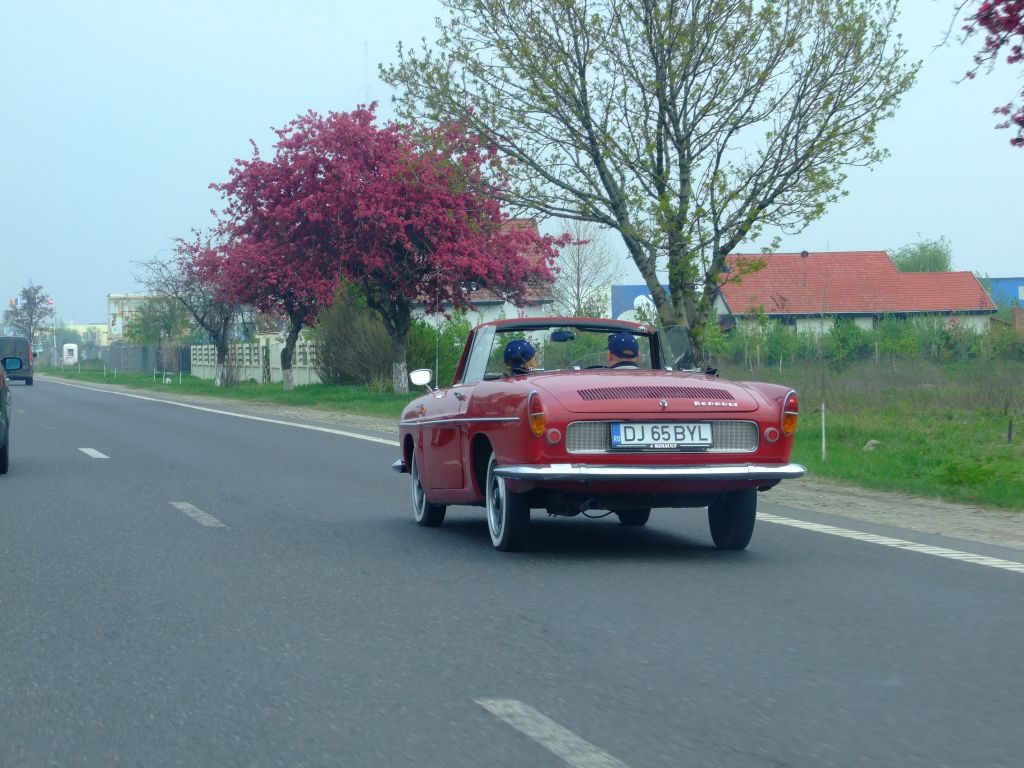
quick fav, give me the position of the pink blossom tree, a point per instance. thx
(276, 260)
(408, 216)
(1002, 24)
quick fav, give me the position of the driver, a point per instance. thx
(623, 350)
(519, 357)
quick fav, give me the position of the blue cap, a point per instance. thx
(518, 353)
(624, 344)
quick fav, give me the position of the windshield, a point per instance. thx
(676, 349)
(564, 348)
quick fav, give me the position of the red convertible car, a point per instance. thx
(570, 415)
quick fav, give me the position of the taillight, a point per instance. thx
(790, 411)
(535, 414)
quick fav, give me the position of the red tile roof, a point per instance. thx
(848, 282)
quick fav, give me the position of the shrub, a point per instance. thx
(352, 344)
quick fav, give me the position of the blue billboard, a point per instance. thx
(627, 299)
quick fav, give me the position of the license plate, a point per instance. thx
(661, 436)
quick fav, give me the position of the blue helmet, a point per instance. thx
(518, 353)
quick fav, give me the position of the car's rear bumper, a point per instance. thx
(597, 473)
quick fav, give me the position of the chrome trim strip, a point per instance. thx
(584, 472)
(464, 420)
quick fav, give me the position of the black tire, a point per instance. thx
(426, 514)
(5, 454)
(634, 517)
(508, 514)
(28, 382)
(731, 519)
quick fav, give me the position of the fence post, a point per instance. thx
(823, 451)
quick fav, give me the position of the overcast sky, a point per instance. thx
(118, 115)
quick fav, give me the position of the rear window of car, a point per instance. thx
(15, 346)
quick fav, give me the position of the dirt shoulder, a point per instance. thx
(1003, 528)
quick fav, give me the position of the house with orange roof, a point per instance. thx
(810, 291)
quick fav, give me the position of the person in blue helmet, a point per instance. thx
(519, 357)
(623, 350)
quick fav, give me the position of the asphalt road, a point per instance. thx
(180, 587)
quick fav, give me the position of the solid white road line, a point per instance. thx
(562, 742)
(886, 541)
(203, 518)
(94, 453)
(295, 424)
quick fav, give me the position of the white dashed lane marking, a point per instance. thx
(886, 541)
(93, 453)
(201, 517)
(577, 752)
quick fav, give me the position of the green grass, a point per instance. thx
(942, 430)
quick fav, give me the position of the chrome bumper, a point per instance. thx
(585, 472)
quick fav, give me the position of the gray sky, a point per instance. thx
(118, 115)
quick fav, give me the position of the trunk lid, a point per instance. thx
(643, 392)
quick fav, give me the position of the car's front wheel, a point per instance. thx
(508, 514)
(732, 519)
(426, 514)
(634, 516)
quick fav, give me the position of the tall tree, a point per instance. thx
(276, 260)
(1001, 22)
(689, 126)
(924, 256)
(587, 268)
(405, 216)
(193, 277)
(157, 320)
(30, 314)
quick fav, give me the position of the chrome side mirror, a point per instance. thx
(421, 377)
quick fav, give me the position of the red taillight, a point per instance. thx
(790, 411)
(535, 414)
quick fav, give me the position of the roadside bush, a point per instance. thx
(847, 343)
(436, 343)
(352, 344)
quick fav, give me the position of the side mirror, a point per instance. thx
(12, 364)
(421, 377)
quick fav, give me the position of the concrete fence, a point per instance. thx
(257, 361)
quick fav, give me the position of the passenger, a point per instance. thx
(623, 350)
(519, 357)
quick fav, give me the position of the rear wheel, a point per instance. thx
(634, 516)
(5, 454)
(426, 514)
(508, 514)
(28, 382)
(732, 519)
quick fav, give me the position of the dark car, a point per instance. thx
(18, 346)
(11, 365)
(576, 427)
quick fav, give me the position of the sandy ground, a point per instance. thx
(988, 526)
(1003, 528)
